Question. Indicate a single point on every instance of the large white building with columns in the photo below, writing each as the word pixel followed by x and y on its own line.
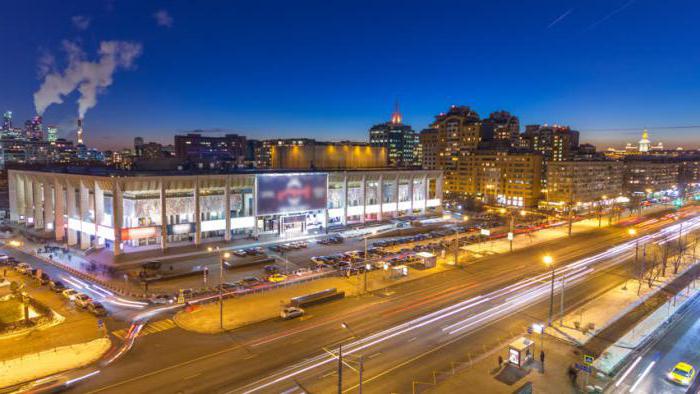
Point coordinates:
pixel 134 211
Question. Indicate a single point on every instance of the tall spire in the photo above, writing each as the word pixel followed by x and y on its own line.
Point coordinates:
pixel 396 116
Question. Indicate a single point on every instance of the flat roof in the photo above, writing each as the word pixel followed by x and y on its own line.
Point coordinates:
pixel 107 171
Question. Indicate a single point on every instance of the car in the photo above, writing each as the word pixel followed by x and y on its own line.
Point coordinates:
pixel 97 309
pixel 682 374
pixel 70 294
pixel 240 253
pixel 161 299
pixel 44 279
pixel 249 281
pixel 291 312
pixel 57 286
pixel 276 278
pixel 82 300
pixel 271 269
pixel 23 268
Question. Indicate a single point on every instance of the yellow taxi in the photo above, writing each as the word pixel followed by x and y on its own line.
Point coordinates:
pixel 275 278
pixel 682 374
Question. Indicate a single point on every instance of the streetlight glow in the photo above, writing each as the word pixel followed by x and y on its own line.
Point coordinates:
pixel 632 231
pixel 548 260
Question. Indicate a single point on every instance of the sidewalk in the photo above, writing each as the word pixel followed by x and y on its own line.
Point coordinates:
pixel 485 376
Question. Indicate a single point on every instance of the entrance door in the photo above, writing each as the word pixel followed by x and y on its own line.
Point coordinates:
pixel 294 224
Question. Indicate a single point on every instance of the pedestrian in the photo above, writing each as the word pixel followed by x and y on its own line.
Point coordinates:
pixel 4 272
pixel 542 359
pixel 500 361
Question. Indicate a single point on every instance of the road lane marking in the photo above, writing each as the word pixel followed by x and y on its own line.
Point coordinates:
pixel 642 376
pixel 151 328
pixel 624 375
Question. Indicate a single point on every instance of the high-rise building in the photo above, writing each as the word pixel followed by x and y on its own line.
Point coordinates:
pixel 51 134
pixel 7 121
pixel 430 149
pixel 583 182
pixel 459 132
pixel 138 146
pixel 230 147
pixel 644 143
pixel 555 143
pixel 399 140
pixel 504 127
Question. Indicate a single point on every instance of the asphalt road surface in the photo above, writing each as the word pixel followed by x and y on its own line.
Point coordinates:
pixel 404 333
pixel 680 343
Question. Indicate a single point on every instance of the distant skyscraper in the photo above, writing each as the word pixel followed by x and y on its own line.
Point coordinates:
pixel 399 139
pixel 51 132
pixel 7 120
pixel 138 146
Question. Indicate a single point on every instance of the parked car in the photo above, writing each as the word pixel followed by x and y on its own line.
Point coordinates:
pixel 276 278
pixel 82 300
pixel 240 253
pixel 44 279
pixel 70 294
pixel 291 312
pixel 57 286
pixel 271 269
pixel 249 282
pixel 23 268
pixel 97 309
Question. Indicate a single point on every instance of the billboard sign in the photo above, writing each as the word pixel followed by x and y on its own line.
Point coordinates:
pixel 281 193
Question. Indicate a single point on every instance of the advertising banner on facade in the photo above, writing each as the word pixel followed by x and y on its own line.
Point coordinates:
pixel 280 193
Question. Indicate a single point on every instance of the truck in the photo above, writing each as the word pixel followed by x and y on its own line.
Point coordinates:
pixel 317 298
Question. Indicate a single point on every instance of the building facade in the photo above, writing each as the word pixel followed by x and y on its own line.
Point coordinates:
pixel 507 178
pixel 504 127
pixel 328 155
pixel 555 143
pixel 645 174
pixel 230 147
pixel 430 149
pixel 129 212
pixel 583 182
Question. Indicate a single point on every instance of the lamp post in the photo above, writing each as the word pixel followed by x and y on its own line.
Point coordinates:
pixel 222 257
pixel 360 362
pixel 549 262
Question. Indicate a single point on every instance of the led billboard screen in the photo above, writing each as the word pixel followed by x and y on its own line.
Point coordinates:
pixel 280 193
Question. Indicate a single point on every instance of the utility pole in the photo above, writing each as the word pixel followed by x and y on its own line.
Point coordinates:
pixel 361 369
pixel 571 217
pixel 561 305
pixel 512 235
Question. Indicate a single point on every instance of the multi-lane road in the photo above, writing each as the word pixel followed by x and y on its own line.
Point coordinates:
pixel 402 333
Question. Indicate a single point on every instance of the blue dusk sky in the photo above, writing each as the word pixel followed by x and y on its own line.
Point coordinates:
pixel 330 69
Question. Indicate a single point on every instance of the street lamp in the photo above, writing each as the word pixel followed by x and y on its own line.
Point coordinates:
pixel 360 361
pixel 222 257
pixel 632 232
pixel 368 266
pixel 549 262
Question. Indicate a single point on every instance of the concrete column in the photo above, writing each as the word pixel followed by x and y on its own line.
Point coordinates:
pixel 84 214
pixel 12 194
pixel 380 198
pixel 99 211
pixel 48 206
pixel 425 193
pixel 396 195
pixel 197 214
pixel 410 191
pixel 118 216
pixel 71 208
pixel 21 198
pixel 38 206
pixel 59 210
pixel 227 208
pixel 438 187
pixel 345 199
pixel 28 198
pixel 363 193
pixel 163 216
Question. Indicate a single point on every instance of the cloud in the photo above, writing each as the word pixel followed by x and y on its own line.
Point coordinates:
pixel 81 22
pixel 90 78
pixel 560 18
pixel 47 63
pixel 163 18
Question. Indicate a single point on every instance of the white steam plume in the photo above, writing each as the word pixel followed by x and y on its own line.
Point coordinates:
pixel 90 78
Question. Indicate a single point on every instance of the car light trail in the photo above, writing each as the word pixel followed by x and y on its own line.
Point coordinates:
pixel 531 289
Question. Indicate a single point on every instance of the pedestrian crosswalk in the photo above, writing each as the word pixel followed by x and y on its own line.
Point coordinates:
pixel 150 328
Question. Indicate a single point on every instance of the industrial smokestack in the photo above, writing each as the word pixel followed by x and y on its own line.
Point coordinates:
pixel 80 130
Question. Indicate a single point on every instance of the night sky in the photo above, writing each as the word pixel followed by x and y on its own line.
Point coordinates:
pixel 331 69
